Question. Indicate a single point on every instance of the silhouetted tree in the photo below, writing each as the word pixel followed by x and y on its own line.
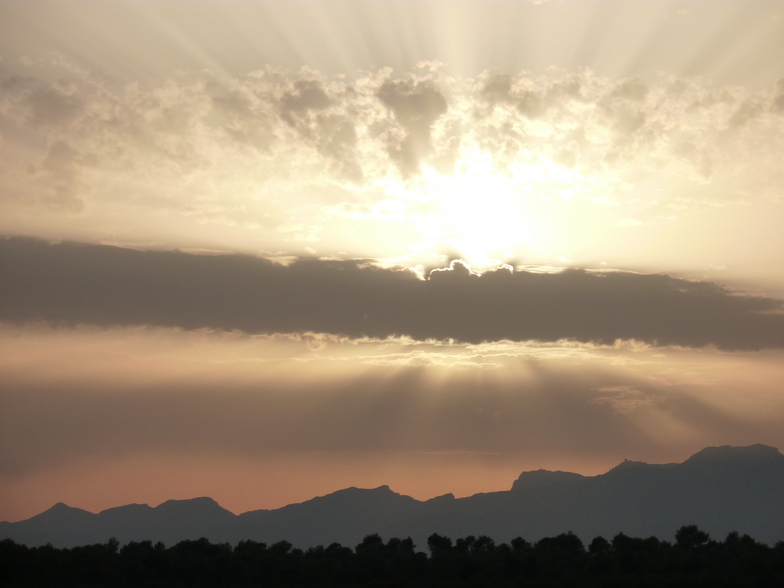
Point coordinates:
pixel 464 545
pixel 519 545
pixel 371 545
pixel 568 542
pixel 690 536
pixel 439 545
pixel 558 561
pixel 599 545
pixel 483 544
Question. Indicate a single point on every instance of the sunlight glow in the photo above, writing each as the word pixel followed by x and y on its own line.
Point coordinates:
pixel 486 215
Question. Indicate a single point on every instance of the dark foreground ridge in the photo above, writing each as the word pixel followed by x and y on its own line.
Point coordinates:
pixel 719 489
pixel 693 560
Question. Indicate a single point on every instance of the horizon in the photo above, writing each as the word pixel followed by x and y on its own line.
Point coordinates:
pixel 400 493
pixel 394 491
pixel 303 498
pixel 264 251
pixel 723 491
pixel 319 496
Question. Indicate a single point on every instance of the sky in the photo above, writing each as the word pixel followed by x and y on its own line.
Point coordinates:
pixel 263 250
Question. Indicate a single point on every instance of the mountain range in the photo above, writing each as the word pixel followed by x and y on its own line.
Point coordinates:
pixel 719 489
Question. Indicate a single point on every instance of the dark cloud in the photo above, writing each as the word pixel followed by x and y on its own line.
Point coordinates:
pixel 308 95
pixel 72 283
pixel 778 97
pixel 753 107
pixel 530 103
pixel 333 135
pixel 749 110
pixel 536 98
pixel 633 89
pixel 336 138
pixel 497 88
pixel 243 116
pixel 50 106
pixel 622 105
pixel 416 106
pixel 15 83
pixel 624 108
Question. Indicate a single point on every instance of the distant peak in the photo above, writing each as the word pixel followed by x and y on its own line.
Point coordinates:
pixel 630 463
pixel 63 507
pixel 442 498
pixel 202 501
pixel 198 499
pixel 353 492
pixel 133 507
pixel 63 512
pixel 538 478
pixel 379 489
pixel 749 453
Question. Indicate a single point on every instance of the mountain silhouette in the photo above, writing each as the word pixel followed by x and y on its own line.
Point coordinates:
pixel 538 478
pixel 719 489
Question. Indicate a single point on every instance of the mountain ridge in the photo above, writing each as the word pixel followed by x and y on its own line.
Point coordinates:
pixel 721 489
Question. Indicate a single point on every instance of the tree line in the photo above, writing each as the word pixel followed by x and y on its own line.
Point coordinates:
pixel 694 560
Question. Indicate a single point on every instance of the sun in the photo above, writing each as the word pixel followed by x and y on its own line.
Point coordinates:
pixel 478 213
pixel 487 216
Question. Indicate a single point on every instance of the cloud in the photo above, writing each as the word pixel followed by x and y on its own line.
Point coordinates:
pixel 778 97
pixel 416 104
pixel 199 138
pixel 72 283
pixel 307 96
pixel 624 399
pixel 61 167
pixel 50 106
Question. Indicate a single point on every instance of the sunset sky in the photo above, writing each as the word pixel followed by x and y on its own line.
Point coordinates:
pixel 264 250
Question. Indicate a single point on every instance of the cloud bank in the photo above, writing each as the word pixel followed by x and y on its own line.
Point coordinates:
pixel 71 283
pixel 65 137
